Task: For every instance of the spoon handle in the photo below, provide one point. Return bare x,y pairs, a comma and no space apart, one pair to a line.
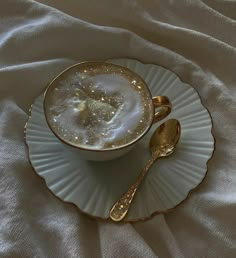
121,207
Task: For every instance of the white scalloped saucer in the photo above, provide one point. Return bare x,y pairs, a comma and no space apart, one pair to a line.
94,186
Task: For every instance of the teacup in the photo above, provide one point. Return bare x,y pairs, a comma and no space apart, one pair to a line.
101,110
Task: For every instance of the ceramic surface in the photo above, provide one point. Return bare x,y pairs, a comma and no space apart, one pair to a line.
95,186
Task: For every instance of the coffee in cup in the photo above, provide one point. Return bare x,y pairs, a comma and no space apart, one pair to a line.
99,106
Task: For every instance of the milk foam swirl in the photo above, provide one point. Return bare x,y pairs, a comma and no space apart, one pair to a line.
98,110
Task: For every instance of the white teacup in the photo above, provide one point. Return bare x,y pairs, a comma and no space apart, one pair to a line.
101,109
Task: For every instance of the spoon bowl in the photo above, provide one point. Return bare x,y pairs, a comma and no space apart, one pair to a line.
165,138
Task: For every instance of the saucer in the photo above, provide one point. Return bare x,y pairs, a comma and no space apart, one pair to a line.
95,186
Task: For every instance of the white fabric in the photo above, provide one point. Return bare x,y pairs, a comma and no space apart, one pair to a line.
195,39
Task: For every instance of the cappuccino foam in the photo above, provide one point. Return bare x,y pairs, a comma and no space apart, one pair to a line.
99,107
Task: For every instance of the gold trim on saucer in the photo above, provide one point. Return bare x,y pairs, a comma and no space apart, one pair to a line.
154,213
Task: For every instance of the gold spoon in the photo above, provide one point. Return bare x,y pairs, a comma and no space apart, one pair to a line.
162,144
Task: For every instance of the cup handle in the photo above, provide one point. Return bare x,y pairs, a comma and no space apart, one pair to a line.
163,105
